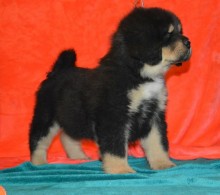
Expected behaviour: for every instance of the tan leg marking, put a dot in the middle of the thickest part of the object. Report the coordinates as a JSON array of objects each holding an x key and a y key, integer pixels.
[
  {"x": 39, "y": 156},
  {"x": 72, "y": 147},
  {"x": 115, "y": 165},
  {"x": 157, "y": 157}
]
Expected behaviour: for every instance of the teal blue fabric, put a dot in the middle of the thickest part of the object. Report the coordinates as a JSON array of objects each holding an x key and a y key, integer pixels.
[{"x": 188, "y": 177}]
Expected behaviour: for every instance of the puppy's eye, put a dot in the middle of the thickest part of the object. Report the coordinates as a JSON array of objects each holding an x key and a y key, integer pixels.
[{"x": 168, "y": 35}]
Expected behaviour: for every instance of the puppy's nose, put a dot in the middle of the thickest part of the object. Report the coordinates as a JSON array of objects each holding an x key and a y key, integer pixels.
[{"x": 186, "y": 42}]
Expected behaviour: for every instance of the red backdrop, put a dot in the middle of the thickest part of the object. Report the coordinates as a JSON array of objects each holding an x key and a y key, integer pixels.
[{"x": 32, "y": 33}]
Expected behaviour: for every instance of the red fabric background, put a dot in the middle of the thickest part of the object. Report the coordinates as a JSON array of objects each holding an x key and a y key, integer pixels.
[{"x": 32, "y": 33}]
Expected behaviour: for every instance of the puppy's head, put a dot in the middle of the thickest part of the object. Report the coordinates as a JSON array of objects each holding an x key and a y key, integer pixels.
[{"x": 154, "y": 37}]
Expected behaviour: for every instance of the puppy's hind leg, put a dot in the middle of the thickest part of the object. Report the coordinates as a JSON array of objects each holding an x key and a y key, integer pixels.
[
  {"x": 39, "y": 144},
  {"x": 72, "y": 147}
]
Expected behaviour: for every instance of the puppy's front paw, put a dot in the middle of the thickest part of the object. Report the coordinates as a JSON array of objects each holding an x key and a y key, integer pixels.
[
  {"x": 116, "y": 165},
  {"x": 118, "y": 169},
  {"x": 161, "y": 164},
  {"x": 39, "y": 158}
]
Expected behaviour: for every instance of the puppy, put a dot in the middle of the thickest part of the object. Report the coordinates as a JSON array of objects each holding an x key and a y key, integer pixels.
[{"x": 120, "y": 101}]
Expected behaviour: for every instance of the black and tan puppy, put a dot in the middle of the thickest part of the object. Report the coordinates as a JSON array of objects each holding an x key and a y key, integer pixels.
[{"x": 120, "y": 101}]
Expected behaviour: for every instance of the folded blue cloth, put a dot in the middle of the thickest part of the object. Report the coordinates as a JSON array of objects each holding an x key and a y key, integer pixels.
[{"x": 188, "y": 177}]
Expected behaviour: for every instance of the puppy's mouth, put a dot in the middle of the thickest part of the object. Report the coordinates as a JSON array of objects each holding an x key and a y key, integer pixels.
[{"x": 184, "y": 58}]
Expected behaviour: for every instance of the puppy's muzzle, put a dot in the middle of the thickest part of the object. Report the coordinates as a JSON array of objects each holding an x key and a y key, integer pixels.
[{"x": 187, "y": 44}]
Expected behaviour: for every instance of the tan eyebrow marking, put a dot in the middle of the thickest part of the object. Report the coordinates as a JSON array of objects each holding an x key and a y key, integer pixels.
[{"x": 171, "y": 28}]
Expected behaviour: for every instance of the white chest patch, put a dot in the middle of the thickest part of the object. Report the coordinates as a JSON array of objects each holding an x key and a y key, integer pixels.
[{"x": 147, "y": 91}]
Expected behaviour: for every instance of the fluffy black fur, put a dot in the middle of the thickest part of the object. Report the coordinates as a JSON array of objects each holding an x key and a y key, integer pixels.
[{"x": 95, "y": 104}]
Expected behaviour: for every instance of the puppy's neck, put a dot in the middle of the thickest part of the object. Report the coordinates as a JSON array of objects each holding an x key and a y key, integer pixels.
[{"x": 154, "y": 71}]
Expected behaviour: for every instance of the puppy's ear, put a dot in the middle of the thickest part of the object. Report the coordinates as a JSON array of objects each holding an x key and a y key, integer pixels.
[{"x": 142, "y": 46}]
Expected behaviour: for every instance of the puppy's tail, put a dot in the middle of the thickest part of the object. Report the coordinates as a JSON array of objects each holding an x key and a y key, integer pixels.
[{"x": 65, "y": 61}]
